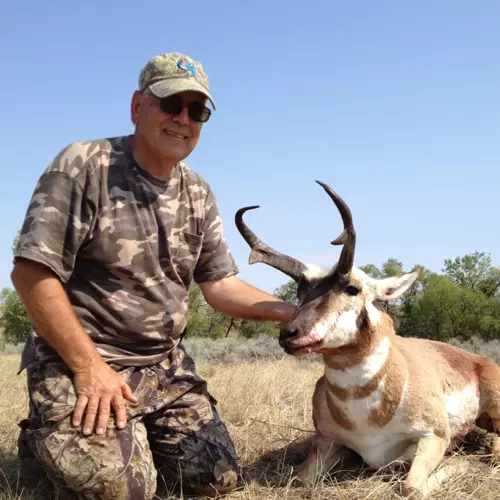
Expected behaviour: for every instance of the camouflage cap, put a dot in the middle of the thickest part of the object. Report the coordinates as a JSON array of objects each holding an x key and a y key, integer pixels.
[{"x": 174, "y": 72}]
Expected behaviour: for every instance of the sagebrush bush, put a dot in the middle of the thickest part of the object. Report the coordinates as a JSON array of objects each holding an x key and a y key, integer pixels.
[
  {"x": 11, "y": 348},
  {"x": 479, "y": 346},
  {"x": 234, "y": 350}
]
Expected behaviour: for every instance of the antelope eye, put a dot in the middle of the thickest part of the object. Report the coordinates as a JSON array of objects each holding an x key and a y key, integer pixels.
[{"x": 351, "y": 290}]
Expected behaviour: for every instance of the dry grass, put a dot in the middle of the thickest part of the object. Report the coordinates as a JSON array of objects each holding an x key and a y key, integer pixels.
[{"x": 267, "y": 408}]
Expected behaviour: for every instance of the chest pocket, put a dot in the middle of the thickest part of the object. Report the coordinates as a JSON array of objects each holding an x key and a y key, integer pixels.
[{"x": 186, "y": 254}]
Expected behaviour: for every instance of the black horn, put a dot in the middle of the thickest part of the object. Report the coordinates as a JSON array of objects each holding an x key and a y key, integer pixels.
[
  {"x": 348, "y": 236},
  {"x": 264, "y": 253}
]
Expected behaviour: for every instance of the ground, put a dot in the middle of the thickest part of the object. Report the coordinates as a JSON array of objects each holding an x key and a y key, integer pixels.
[{"x": 267, "y": 407}]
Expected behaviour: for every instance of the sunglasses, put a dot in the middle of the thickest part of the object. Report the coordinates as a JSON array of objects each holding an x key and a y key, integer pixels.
[{"x": 173, "y": 105}]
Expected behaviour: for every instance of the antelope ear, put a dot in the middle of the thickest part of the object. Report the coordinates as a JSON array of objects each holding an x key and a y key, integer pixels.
[{"x": 392, "y": 288}]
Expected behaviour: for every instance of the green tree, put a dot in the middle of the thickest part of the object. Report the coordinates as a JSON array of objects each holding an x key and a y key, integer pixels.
[
  {"x": 392, "y": 267},
  {"x": 195, "y": 298},
  {"x": 473, "y": 271},
  {"x": 15, "y": 242},
  {"x": 418, "y": 287},
  {"x": 13, "y": 318},
  {"x": 254, "y": 328},
  {"x": 202, "y": 319},
  {"x": 446, "y": 310},
  {"x": 197, "y": 324},
  {"x": 287, "y": 292},
  {"x": 490, "y": 285},
  {"x": 218, "y": 323}
]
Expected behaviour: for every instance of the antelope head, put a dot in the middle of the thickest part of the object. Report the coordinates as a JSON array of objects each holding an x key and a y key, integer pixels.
[{"x": 333, "y": 306}]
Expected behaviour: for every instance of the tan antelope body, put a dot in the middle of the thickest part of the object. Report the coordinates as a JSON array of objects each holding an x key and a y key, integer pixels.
[{"x": 390, "y": 399}]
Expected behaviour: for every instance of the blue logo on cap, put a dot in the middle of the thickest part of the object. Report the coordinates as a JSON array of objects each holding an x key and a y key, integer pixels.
[{"x": 186, "y": 66}]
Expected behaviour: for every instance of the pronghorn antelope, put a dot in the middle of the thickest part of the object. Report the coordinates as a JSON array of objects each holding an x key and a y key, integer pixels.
[{"x": 390, "y": 399}]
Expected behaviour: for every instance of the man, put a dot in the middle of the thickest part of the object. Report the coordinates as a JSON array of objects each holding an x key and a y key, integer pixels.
[{"x": 114, "y": 234}]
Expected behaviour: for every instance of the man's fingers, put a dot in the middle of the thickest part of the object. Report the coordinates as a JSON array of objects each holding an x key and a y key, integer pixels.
[
  {"x": 80, "y": 406},
  {"x": 120, "y": 411},
  {"x": 98, "y": 390},
  {"x": 103, "y": 417},
  {"x": 128, "y": 394},
  {"x": 90, "y": 414}
]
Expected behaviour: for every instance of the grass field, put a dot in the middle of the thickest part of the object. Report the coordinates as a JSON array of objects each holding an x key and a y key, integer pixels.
[{"x": 267, "y": 407}]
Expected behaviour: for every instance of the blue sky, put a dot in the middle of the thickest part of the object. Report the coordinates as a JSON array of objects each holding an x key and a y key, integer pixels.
[{"x": 396, "y": 105}]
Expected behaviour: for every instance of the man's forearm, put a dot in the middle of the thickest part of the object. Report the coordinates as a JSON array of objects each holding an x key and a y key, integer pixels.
[
  {"x": 238, "y": 299},
  {"x": 49, "y": 309}
]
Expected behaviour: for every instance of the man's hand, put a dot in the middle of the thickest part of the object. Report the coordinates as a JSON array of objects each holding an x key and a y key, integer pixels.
[{"x": 99, "y": 388}]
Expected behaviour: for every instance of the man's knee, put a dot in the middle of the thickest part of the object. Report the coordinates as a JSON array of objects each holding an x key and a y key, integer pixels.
[
  {"x": 192, "y": 445},
  {"x": 116, "y": 466},
  {"x": 209, "y": 480},
  {"x": 206, "y": 465}
]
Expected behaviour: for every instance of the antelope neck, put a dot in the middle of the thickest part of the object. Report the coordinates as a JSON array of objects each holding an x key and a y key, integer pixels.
[{"x": 360, "y": 375}]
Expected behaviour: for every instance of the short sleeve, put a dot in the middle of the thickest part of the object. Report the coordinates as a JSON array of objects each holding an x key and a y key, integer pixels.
[
  {"x": 56, "y": 224},
  {"x": 215, "y": 260}
]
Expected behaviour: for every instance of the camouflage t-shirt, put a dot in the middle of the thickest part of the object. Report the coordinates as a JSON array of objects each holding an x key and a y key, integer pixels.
[{"x": 125, "y": 245}]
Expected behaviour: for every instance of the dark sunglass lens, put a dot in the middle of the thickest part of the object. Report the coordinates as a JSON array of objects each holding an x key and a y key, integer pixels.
[
  {"x": 198, "y": 111},
  {"x": 172, "y": 105}
]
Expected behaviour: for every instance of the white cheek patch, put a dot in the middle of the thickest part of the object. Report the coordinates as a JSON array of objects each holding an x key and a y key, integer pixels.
[{"x": 337, "y": 330}]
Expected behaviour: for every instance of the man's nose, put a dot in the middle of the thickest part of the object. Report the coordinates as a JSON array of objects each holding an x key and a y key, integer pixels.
[{"x": 183, "y": 117}]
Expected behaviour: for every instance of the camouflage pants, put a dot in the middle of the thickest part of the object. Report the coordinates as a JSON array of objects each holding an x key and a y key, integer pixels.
[{"x": 174, "y": 430}]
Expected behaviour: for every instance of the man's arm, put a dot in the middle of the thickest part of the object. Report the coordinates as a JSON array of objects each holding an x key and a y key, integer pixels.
[
  {"x": 238, "y": 299},
  {"x": 97, "y": 385}
]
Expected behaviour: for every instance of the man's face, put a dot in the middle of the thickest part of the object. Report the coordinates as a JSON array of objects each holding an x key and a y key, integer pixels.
[{"x": 166, "y": 136}]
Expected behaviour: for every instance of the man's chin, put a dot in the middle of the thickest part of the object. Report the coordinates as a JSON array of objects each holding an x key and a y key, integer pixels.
[
  {"x": 175, "y": 155},
  {"x": 175, "y": 150}
]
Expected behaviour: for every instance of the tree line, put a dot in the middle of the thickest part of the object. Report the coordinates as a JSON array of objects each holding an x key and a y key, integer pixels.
[{"x": 461, "y": 301}]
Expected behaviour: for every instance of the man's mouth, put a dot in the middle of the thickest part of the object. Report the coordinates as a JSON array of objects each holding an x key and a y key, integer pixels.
[{"x": 175, "y": 135}]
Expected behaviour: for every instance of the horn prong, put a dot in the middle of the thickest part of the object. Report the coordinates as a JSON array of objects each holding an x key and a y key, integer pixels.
[{"x": 348, "y": 235}]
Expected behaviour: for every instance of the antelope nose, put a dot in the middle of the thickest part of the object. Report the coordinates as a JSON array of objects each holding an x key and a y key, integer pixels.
[{"x": 287, "y": 334}]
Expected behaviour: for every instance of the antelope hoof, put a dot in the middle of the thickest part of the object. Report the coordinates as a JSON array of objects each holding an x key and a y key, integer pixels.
[
  {"x": 306, "y": 473},
  {"x": 495, "y": 447},
  {"x": 304, "y": 477}
]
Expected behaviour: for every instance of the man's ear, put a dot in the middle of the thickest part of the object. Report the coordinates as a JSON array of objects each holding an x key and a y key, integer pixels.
[
  {"x": 135, "y": 106},
  {"x": 392, "y": 288}
]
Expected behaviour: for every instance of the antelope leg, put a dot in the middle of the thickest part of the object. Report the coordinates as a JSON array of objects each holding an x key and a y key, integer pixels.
[
  {"x": 322, "y": 456},
  {"x": 430, "y": 452}
]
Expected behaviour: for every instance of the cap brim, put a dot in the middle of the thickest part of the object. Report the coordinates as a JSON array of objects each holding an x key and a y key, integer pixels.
[{"x": 166, "y": 88}]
